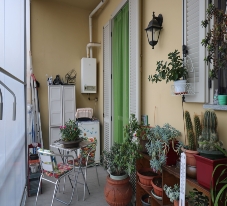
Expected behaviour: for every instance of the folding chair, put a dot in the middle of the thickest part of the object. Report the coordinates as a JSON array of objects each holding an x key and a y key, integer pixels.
[
  {"x": 50, "y": 168},
  {"x": 86, "y": 159}
]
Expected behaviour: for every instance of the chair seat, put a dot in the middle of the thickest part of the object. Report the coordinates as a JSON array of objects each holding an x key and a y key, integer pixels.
[
  {"x": 62, "y": 169},
  {"x": 83, "y": 162}
]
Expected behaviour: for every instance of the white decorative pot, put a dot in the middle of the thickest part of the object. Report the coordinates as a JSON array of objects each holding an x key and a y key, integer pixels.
[{"x": 179, "y": 86}]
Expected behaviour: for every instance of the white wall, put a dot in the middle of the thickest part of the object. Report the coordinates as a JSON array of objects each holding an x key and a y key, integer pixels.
[{"x": 12, "y": 133}]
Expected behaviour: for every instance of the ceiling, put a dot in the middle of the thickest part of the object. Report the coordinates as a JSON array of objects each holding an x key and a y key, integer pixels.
[{"x": 83, "y": 4}]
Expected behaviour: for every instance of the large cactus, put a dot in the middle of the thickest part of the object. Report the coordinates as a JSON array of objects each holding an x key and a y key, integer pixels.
[
  {"x": 209, "y": 136},
  {"x": 198, "y": 128},
  {"x": 190, "y": 132}
]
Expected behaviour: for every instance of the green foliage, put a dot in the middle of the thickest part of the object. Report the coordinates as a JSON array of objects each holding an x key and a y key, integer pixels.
[
  {"x": 70, "y": 131},
  {"x": 198, "y": 128},
  {"x": 190, "y": 132},
  {"x": 174, "y": 70},
  {"x": 215, "y": 40},
  {"x": 219, "y": 192},
  {"x": 159, "y": 140},
  {"x": 208, "y": 140},
  {"x": 173, "y": 193},
  {"x": 134, "y": 128},
  {"x": 197, "y": 198},
  {"x": 122, "y": 157}
]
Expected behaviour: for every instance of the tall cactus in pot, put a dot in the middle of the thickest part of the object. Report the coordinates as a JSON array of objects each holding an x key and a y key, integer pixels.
[
  {"x": 209, "y": 137},
  {"x": 190, "y": 132}
]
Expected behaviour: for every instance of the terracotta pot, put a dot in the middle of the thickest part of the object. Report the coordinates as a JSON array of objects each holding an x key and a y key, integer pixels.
[
  {"x": 190, "y": 158},
  {"x": 146, "y": 175},
  {"x": 176, "y": 203},
  {"x": 118, "y": 192},
  {"x": 157, "y": 190}
]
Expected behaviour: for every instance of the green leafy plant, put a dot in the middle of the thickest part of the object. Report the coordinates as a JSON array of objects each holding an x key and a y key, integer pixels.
[
  {"x": 159, "y": 140},
  {"x": 135, "y": 129},
  {"x": 219, "y": 191},
  {"x": 215, "y": 40},
  {"x": 122, "y": 157},
  {"x": 173, "y": 71},
  {"x": 197, "y": 198},
  {"x": 70, "y": 131},
  {"x": 173, "y": 193}
]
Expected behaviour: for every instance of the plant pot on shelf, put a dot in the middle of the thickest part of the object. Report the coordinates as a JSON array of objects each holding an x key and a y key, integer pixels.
[
  {"x": 145, "y": 199},
  {"x": 213, "y": 155},
  {"x": 179, "y": 86},
  {"x": 176, "y": 203},
  {"x": 190, "y": 156},
  {"x": 191, "y": 171},
  {"x": 118, "y": 192},
  {"x": 171, "y": 155},
  {"x": 205, "y": 169},
  {"x": 146, "y": 175},
  {"x": 157, "y": 186}
]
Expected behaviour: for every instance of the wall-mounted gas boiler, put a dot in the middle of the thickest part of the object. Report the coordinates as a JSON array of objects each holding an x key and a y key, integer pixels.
[{"x": 88, "y": 75}]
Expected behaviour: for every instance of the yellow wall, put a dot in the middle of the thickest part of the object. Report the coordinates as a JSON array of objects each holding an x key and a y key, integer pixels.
[
  {"x": 58, "y": 45},
  {"x": 59, "y": 35},
  {"x": 156, "y": 100}
]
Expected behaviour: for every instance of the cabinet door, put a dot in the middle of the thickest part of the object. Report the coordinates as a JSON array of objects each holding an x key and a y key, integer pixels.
[
  {"x": 69, "y": 103},
  {"x": 55, "y": 105}
]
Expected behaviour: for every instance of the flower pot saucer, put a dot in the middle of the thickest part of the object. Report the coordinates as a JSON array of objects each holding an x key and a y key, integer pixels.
[
  {"x": 146, "y": 187},
  {"x": 157, "y": 197}
]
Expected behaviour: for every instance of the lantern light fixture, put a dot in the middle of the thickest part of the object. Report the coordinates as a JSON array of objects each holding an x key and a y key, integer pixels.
[{"x": 153, "y": 29}]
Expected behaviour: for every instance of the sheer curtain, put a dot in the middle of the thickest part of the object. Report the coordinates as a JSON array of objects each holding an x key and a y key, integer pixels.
[
  {"x": 120, "y": 71},
  {"x": 12, "y": 133}
]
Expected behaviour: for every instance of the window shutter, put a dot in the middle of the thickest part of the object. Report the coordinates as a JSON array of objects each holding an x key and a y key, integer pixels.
[
  {"x": 107, "y": 108},
  {"x": 134, "y": 59},
  {"x": 193, "y": 33}
]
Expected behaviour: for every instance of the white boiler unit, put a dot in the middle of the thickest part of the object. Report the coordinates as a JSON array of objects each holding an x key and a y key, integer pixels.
[{"x": 88, "y": 75}]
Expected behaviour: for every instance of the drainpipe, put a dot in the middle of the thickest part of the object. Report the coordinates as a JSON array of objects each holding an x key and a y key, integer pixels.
[{"x": 91, "y": 44}]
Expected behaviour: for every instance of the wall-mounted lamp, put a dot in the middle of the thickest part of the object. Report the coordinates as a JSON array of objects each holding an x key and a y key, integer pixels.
[
  {"x": 153, "y": 29},
  {"x": 1, "y": 102}
]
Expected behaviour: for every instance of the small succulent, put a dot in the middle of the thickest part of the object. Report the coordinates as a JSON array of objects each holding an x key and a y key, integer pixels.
[
  {"x": 159, "y": 139},
  {"x": 173, "y": 193}
]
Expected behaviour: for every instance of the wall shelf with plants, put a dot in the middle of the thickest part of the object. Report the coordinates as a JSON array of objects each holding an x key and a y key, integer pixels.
[{"x": 177, "y": 70}]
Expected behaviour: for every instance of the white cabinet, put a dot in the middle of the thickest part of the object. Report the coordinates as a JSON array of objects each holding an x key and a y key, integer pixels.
[{"x": 62, "y": 107}]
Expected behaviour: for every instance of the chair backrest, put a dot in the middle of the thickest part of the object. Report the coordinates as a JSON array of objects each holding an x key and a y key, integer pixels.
[
  {"x": 89, "y": 151},
  {"x": 47, "y": 159}
]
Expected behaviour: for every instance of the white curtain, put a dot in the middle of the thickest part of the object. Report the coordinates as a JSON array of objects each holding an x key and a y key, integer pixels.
[{"x": 12, "y": 133}]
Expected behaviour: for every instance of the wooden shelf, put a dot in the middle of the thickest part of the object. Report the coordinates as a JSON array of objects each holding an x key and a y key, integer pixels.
[{"x": 170, "y": 176}]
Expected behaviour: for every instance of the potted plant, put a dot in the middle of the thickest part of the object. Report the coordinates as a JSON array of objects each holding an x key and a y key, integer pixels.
[
  {"x": 173, "y": 193},
  {"x": 219, "y": 187},
  {"x": 208, "y": 146},
  {"x": 70, "y": 134},
  {"x": 162, "y": 140},
  {"x": 215, "y": 40},
  {"x": 135, "y": 129},
  {"x": 191, "y": 149},
  {"x": 120, "y": 162},
  {"x": 197, "y": 198},
  {"x": 175, "y": 71}
]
